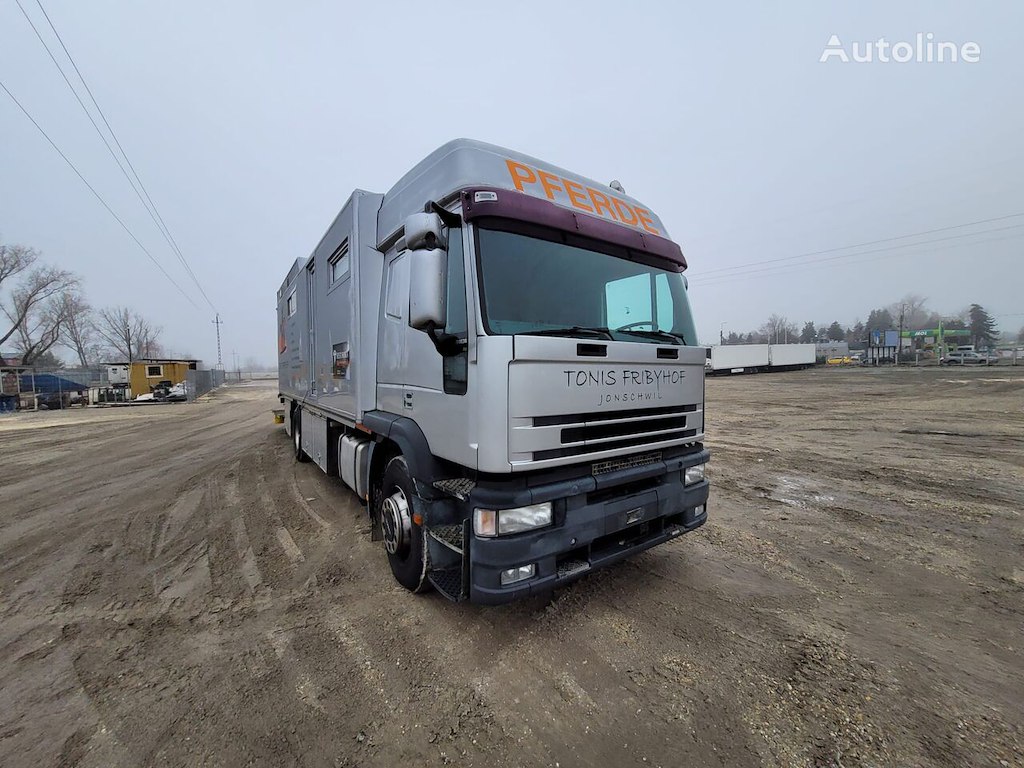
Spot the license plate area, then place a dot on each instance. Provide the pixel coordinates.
(626, 513)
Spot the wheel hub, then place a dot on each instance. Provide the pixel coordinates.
(396, 523)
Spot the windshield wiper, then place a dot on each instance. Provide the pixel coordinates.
(579, 330)
(676, 338)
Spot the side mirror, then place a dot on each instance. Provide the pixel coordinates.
(425, 231)
(428, 271)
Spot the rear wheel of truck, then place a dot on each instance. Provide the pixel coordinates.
(300, 455)
(403, 537)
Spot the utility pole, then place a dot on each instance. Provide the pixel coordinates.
(899, 336)
(220, 362)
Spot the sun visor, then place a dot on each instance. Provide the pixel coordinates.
(480, 202)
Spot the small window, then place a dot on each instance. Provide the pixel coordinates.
(339, 262)
(291, 304)
(154, 371)
(457, 322)
(396, 298)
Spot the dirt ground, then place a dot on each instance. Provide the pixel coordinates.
(176, 590)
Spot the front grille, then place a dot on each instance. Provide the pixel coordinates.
(645, 439)
(619, 429)
(576, 418)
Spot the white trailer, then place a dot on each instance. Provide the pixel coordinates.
(791, 356)
(738, 358)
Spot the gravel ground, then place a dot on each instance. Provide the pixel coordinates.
(176, 590)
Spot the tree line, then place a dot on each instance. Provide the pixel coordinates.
(43, 308)
(910, 314)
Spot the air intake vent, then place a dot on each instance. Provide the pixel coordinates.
(591, 350)
(626, 462)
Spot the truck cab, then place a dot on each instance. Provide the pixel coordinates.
(505, 369)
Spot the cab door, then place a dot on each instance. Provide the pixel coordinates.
(438, 392)
(393, 338)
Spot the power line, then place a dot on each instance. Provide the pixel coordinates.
(801, 268)
(97, 195)
(161, 224)
(769, 269)
(860, 245)
(786, 269)
(150, 206)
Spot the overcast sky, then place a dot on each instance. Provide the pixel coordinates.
(251, 122)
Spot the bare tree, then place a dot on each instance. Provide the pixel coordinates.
(28, 303)
(39, 329)
(34, 308)
(128, 333)
(914, 311)
(79, 334)
(779, 330)
(15, 259)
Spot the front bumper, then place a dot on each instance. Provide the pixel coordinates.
(594, 530)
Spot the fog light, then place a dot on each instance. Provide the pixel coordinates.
(699, 511)
(693, 475)
(522, 573)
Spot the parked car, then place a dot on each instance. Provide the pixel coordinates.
(963, 358)
(842, 360)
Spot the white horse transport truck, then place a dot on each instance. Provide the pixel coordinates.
(498, 357)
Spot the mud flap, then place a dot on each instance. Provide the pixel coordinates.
(447, 565)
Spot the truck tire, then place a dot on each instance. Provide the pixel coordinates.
(300, 455)
(403, 538)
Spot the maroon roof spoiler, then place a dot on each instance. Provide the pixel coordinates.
(507, 204)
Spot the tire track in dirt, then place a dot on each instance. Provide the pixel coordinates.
(779, 634)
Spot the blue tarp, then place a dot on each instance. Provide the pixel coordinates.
(49, 382)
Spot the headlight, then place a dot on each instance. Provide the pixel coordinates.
(499, 522)
(693, 475)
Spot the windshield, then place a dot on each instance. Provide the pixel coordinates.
(561, 286)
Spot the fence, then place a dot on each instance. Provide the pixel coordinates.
(236, 377)
(198, 383)
(31, 387)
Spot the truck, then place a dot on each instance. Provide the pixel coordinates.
(758, 358)
(738, 358)
(499, 358)
(791, 357)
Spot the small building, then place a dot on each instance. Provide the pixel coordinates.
(143, 376)
(937, 341)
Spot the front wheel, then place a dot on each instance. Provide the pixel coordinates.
(400, 528)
